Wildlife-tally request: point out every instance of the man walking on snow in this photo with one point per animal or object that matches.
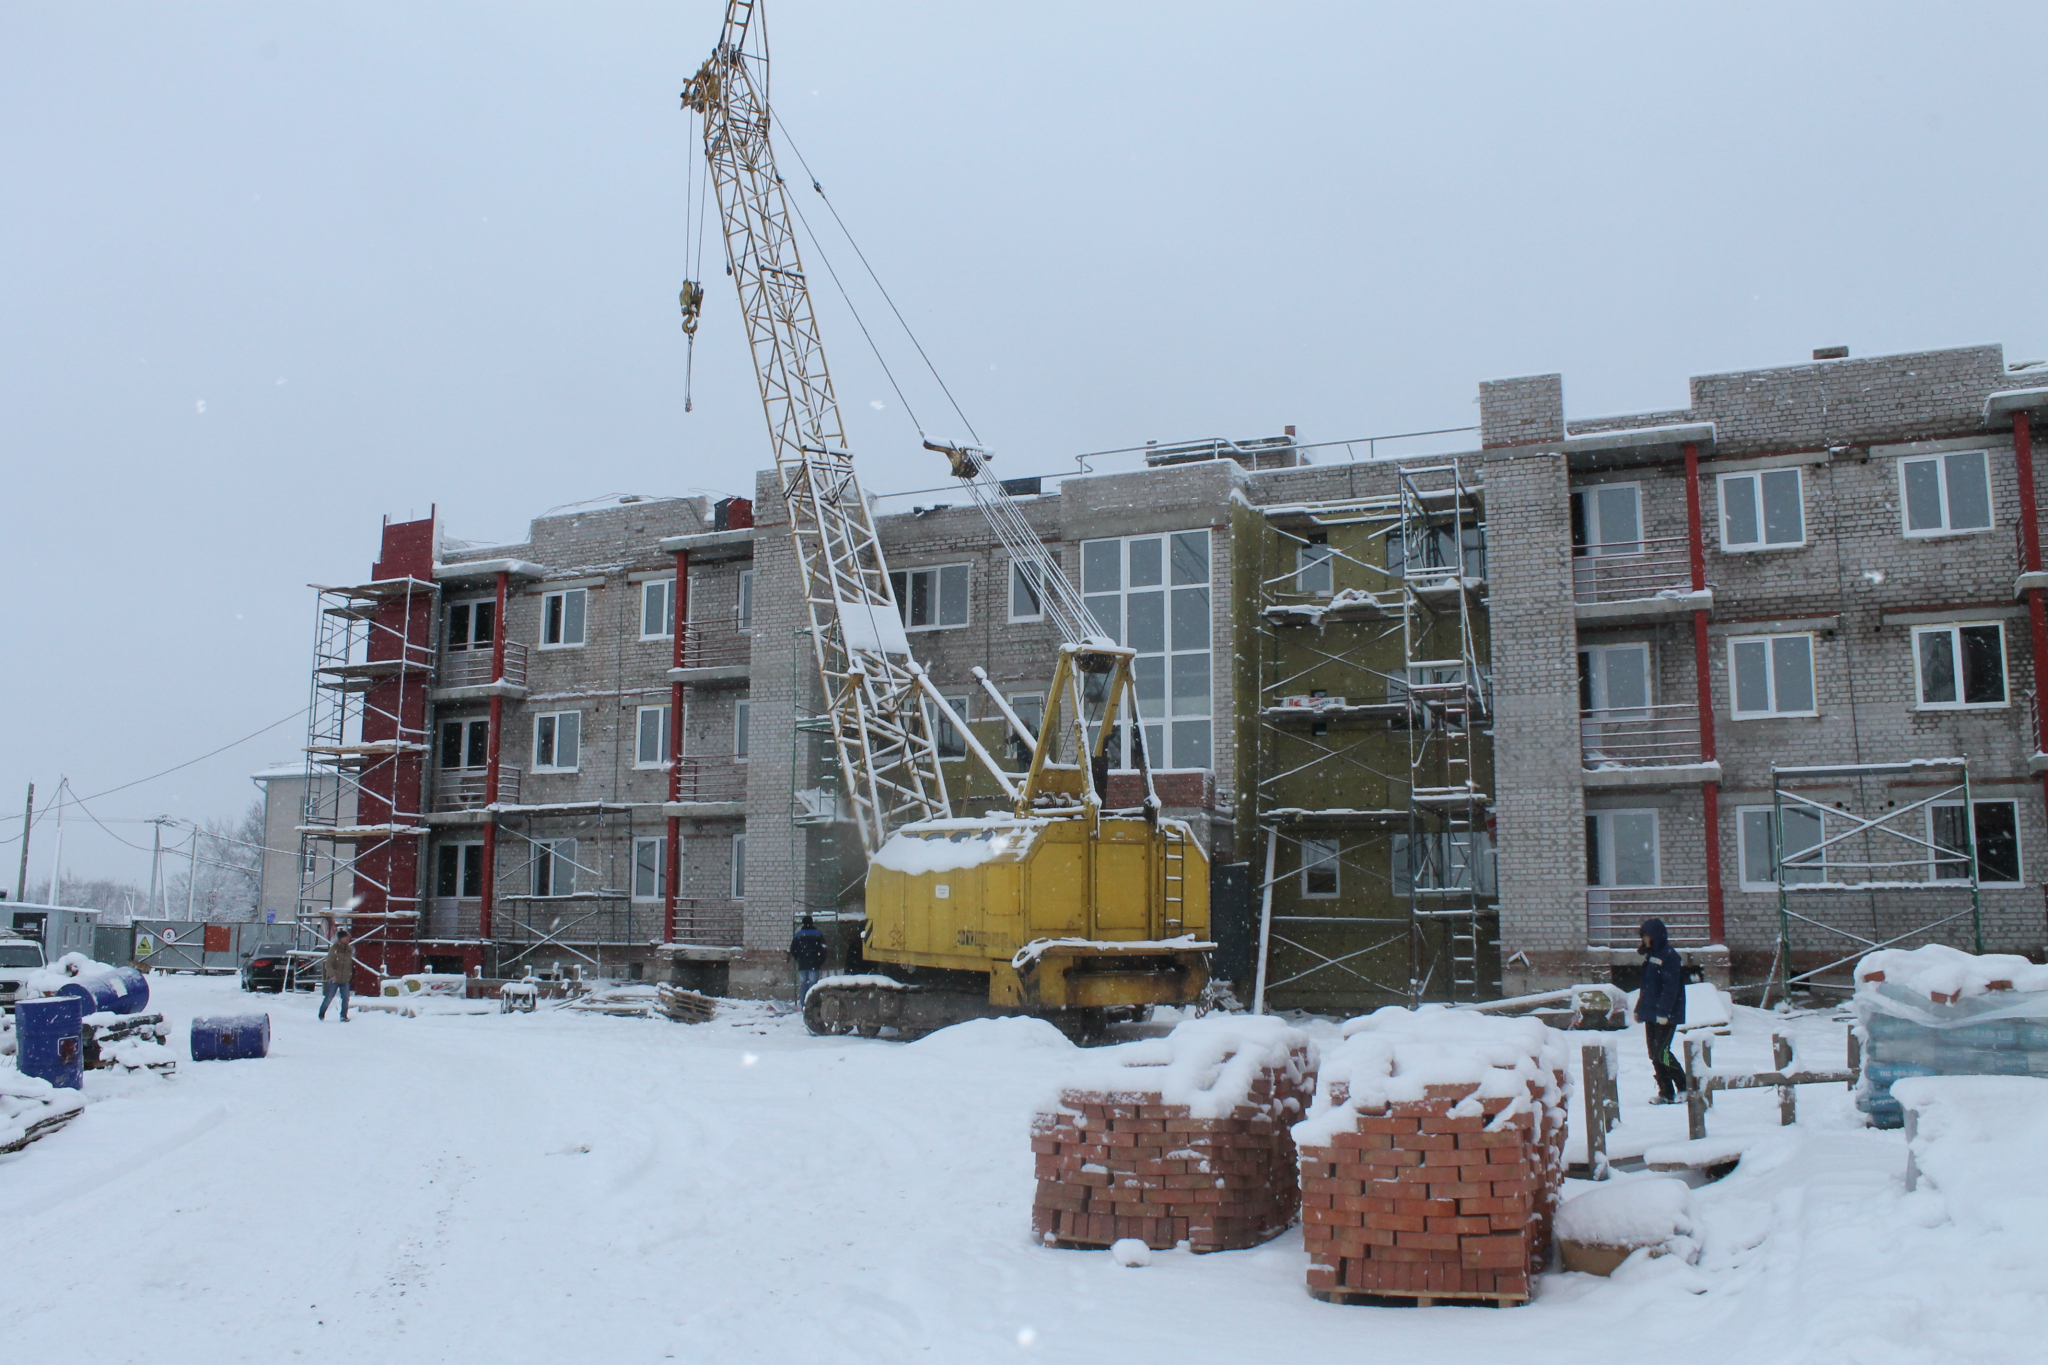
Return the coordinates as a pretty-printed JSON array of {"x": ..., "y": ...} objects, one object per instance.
[
  {"x": 337, "y": 971},
  {"x": 807, "y": 950},
  {"x": 1660, "y": 1005}
]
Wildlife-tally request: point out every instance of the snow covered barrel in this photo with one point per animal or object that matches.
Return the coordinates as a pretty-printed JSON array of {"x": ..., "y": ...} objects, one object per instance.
[
  {"x": 230, "y": 1037},
  {"x": 1432, "y": 1158},
  {"x": 1936, "y": 1011},
  {"x": 94, "y": 991},
  {"x": 49, "y": 1040},
  {"x": 1176, "y": 1139},
  {"x": 134, "y": 990}
]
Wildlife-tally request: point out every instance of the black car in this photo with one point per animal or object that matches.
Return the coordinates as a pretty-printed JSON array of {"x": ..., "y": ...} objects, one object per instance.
[{"x": 279, "y": 967}]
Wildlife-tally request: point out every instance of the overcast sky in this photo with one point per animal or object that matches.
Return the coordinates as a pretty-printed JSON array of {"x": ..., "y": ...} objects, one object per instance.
[{"x": 271, "y": 272}]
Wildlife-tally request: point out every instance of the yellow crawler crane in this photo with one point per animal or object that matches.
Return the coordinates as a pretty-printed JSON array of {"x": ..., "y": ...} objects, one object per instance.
[{"x": 1060, "y": 908}]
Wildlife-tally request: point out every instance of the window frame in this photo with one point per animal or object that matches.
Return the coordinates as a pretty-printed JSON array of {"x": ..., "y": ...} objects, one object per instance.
[
  {"x": 548, "y": 621},
  {"x": 555, "y": 743},
  {"x": 1604, "y": 820},
  {"x": 660, "y": 891},
  {"x": 469, "y": 641},
  {"x": 667, "y": 617},
  {"x": 1315, "y": 560},
  {"x": 1954, "y": 630},
  {"x": 1940, "y": 460},
  {"x": 663, "y": 738},
  {"x": 1977, "y": 804},
  {"x": 1758, "y": 507},
  {"x": 743, "y": 600},
  {"x": 1589, "y": 513},
  {"x": 1742, "y": 878},
  {"x": 548, "y": 855},
  {"x": 935, "y": 595},
  {"x": 464, "y": 850},
  {"x": 737, "y": 871},
  {"x": 1771, "y": 676},
  {"x": 1332, "y": 860},
  {"x": 742, "y": 727},
  {"x": 467, "y": 727},
  {"x": 1026, "y": 576}
]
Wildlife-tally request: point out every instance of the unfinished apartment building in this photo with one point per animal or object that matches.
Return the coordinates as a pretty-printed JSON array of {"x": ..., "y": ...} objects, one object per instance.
[{"x": 1449, "y": 726}]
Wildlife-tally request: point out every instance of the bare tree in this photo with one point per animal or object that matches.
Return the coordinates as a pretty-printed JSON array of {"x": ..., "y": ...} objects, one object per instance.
[
  {"x": 117, "y": 901},
  {"x": 229, "y": 866}
]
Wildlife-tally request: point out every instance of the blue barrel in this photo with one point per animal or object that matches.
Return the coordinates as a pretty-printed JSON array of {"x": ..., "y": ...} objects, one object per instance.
[
  {"x": 49, "y": 1040},
  {"x": 229, "y": 1037},
  {"x": 134, "y": 990},
  {"x": 95, "y": 992}
]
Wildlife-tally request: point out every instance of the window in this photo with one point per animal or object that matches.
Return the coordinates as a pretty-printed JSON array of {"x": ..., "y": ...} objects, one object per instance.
[
  {"x": 657, "y": 608},
  {"x": 651, "y": 751},
  {"x": 1802, "y": 832},
  {"x": 472, "y": 625},
  {"x": 555, "y": 736},
  {"x": 1446, "y": 862},
  {"x": 944, "y": 734},
  {"x": 1621, "y": 848},
  {"x": 1960, "y": 666},
  {"x": 931, "y": 599},
  {"x": 739, "y": 867},
  {"x": 1439, "y": 551},
  {"x": 1771, "y": 675},
  {"x": 1998, "y": 841},
  {"x": 741, "y": 714},
  {"x": 743, "y": 607},
  {"x": 459, "y": 871},
  {"x": 465, "y": 743},
  {"x": 1614, "y": 680},
  {"x": 1152, "y": 594},
  {"x": 1312, "y": 567},
  {"x": 1607, "y": 520},
  {"x": 561, "y": 618},
  {"x": 1762, "y": 511},
  {"x": 554, "y": 867},
  {"x": 1319, "y": 868},
  {"x": 1944, "y": 494},
  {"x": 1030, "y": 708},
  {"x": 648, "y": 855},
  {"x": 1025, "y": 604}
]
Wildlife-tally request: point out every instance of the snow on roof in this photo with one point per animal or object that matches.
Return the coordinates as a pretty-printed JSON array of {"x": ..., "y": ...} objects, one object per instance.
[
  {"x": 1395, "y": 1056},
  {"x": 602, "y": 504},
  {"x": 1944, "y": 975},
  {"x": 282, "y": 768},
  {"x": 1206, "y": 1064}
]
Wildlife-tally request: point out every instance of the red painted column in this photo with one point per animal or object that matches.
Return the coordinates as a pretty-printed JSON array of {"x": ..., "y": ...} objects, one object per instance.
[
  {"x": 674, "y": 864},
  {"x": 483, "y": 918},
  {"x": 2030, "y": 562},
  {"x": 1710, "y": 792},
  {"x": 387, "y": 880}
]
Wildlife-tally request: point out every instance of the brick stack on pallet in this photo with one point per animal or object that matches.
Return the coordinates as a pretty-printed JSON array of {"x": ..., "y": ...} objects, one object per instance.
[
  {"x": 1431, "y": 1162},
  {"x": 1177, "y": 1139}
]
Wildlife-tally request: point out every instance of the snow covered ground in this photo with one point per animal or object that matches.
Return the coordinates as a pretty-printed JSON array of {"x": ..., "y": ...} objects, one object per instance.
[{"x": 513, "y": 1188}]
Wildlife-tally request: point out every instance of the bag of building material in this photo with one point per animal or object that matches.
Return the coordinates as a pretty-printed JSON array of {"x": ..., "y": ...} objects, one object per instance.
[{"x": 1937, "y": 1011}]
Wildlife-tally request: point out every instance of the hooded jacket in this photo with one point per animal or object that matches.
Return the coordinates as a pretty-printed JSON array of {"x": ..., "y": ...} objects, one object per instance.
[
  {"x": 1663, "y": 990},
  {"x": 339, "y": 966},
  {"x": 808, "y": 949}
]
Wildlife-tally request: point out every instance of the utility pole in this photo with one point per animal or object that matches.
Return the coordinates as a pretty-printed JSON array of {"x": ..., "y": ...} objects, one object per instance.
[
  {"x": 192, "y": 878},
  {"x": 156, "y": 862},
  {"x": 28, "y": 820},
  {"x": 57, "y": 853}
]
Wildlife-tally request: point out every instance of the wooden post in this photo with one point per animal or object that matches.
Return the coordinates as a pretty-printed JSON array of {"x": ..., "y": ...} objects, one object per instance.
[
  {"x": 1695, "y": 1098},
  {"x": 1788, "y": 1101},
  {"x": 1603, "y": 1105},
  {"x": 1855, "y": 1058}
]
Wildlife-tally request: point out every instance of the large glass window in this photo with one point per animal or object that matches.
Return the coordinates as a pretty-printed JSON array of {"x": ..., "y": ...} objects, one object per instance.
[
  {"x": 1621, "y": 848},
  {"x": 931, "y": 599},
  {"x": 1152, "y": 594},
  {"x": 1762, "y": 511},
  {"x": 1802, "y": 832},
  {"x": 1998, "y": 841},
  {"x": 1771, "y": 675},
  {"x": 1942, "y": 494},
  {"x": 1960, "y": 666},
  {"x": 556, "y": 736}
]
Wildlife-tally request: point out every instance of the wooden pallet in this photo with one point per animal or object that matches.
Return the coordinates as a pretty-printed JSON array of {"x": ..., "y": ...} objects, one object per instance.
[
  {"x": 41, "y": 1128},
  {"x": 1374, "y": 1298},
  {"x": 685, "y": 1007}
]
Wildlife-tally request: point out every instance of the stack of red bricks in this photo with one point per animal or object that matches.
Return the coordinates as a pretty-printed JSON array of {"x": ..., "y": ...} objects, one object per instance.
[
  {"x": 1447, "y": 1191},
  {"x": 1209, "y": 1164}
]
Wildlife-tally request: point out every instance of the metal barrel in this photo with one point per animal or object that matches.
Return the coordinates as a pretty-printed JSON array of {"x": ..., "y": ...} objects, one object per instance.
[
  {"x": 95, "y": 992},
  {"x": 134, "y": 990},
  {"x": 49, "y": 1040},
  {"x": 230, "y": 1037}
]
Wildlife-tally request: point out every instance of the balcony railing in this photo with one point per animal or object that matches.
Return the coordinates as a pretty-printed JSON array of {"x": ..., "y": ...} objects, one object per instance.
[
  {"x": 711, "y": 779},
  {"x": 472, "y": 667},
  {"x": 1627, "y": 571},
  {"x": 709, "y": 923},
  {"x": 716, "y": 647},
  {"x": 1640, "y": 736},
  {"x": 463, "y": 788},
  {"x": 1614, "y": 914}
]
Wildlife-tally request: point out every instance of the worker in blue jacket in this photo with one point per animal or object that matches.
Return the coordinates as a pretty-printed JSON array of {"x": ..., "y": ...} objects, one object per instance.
[
  {"x": 808, "y": 951},
  {"x": 1660, "y": 1005}
]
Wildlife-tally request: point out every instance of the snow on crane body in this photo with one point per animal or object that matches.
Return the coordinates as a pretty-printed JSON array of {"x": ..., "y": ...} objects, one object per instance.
[{"x": 1060, "y": 908}]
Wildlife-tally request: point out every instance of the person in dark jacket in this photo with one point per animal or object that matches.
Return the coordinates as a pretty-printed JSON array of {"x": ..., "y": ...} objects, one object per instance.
[
  {"x": 337, "y": 972},
  {"x": 1660, "y": 1005},
  {"x": 807, "y": 951}
]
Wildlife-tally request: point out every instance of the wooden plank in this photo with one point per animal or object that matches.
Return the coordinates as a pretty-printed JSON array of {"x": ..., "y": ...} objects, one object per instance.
[{"x": 1371, "y": 1298}]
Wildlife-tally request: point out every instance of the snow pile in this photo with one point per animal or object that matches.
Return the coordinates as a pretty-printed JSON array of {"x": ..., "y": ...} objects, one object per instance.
[
  {"x": 1208, "y": 1066},
  {"x": 1978, "y": 1140},
  {"x": 966, "y": 844},
  {"x": 1645, "y": 1212},
  {"x": 30, "y": 1105},
  {"x": 61, "y": 973},
  {"x": 1129, "y": 1251},
  {"x": 1399, "y": 1056},
  {"x": 984, "y": 1037},
  {"x": 1935, "y": 1011}
]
